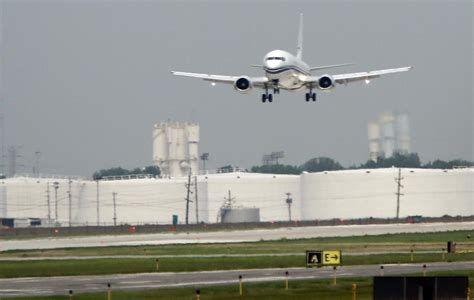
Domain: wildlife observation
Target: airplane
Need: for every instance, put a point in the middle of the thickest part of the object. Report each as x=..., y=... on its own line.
x=288, y=72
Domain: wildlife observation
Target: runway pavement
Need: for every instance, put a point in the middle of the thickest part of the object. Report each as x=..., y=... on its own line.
x=82, y=284
x=229, y=236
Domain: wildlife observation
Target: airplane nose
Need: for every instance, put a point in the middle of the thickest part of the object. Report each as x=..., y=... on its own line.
x=272, y=64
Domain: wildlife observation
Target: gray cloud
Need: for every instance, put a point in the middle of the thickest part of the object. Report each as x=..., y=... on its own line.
x=85, y=81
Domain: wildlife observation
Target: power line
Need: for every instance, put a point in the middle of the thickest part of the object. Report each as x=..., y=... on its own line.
x=188, y=192
x=48, y=203
x=196, y=199
x=70, y=202
x=98, y=204
x=398, y=180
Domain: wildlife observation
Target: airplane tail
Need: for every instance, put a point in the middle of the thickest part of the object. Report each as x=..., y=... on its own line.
x=299, y=47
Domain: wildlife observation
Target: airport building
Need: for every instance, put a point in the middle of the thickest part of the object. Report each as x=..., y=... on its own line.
x=347, y=194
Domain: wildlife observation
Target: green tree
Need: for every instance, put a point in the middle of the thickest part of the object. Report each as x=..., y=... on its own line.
x=319, y=164
x=276, y=169
x=119, y=171
x=441, y=164
x=397, y=160
x=225, y=169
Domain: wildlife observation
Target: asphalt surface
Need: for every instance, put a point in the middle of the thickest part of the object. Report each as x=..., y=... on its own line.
x=229, y=236
x=82, y=284
x=31, y=258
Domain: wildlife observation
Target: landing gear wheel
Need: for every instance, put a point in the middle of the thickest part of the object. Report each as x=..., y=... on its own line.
x=313, y=96
x=307, y=97
x=270, y=98
x=264, y=98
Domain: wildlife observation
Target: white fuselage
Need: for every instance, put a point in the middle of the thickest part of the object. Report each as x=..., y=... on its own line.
x=286, y=69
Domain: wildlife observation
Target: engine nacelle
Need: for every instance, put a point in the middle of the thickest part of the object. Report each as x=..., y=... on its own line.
x=243, y=84
x=325, y=82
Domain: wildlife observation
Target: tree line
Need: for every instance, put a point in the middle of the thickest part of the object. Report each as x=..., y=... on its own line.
x=119, y=171
x=317, y=164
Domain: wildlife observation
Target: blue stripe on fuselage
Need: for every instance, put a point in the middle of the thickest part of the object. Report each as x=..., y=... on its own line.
x=287, y=68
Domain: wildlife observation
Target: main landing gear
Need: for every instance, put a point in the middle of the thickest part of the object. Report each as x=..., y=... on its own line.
x=310, y=95
x=268, y=96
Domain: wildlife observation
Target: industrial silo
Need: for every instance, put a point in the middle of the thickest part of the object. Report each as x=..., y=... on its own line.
x=402, y=130
x=192, y=132
x=373, y=129
x=388, y=134
x=160, y=147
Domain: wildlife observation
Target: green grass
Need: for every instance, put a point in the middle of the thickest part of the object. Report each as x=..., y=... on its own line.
x=299, y=289
x=12, y=269
x=393, y=242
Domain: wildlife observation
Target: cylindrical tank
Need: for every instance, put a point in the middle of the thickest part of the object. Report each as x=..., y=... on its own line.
x=402, y=132
x=177, y=149
x=192, y=132
x=160, y=148
x=373, y=129
x=388, y=133
x=240, y=215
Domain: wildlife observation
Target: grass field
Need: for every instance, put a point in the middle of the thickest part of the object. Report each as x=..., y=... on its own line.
x=393, y=242
x=12, y=269
x=145, y=262
x=298, y=289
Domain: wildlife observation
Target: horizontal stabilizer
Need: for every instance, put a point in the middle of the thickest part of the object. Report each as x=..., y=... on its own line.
x=330, y=66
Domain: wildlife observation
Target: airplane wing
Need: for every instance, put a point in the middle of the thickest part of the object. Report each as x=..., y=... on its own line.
x=256, y=81
x=350, y=77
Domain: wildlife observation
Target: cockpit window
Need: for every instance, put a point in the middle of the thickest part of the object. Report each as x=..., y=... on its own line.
x=276, y=58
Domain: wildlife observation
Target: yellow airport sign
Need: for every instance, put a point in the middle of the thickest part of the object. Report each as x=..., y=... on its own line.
x=319, y=258
x=331, y=257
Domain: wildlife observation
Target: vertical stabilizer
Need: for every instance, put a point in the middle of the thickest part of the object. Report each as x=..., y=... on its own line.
x=299, y=47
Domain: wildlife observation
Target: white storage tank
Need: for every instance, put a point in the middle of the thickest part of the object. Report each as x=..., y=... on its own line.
x=373, y=129
x=160, y=147
x=240, y=215
x=402, y=134
x=192, y=131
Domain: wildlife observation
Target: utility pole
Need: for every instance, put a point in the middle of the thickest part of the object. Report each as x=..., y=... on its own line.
x=48, y=203
x=196, y=198
x=398, y=180
x=188, y=192
x=115, y=208
x=56, y=187
x=228, y=202
x=70, y=201
x=289, y=201
x=98, y=212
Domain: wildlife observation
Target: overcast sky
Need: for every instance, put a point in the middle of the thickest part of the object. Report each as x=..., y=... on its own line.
x=84, y=81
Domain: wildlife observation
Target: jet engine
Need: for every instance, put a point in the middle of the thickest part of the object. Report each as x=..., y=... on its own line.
x=243, y=84
x=325, y=82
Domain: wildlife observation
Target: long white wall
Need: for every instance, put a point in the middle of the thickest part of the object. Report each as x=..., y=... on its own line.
x=339, y=194
x=372, y=193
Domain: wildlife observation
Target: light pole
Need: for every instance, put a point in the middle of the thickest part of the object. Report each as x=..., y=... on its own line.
x=56, y=187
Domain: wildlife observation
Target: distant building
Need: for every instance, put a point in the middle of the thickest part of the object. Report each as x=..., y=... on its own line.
x=175, y=148
x=389, y=134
